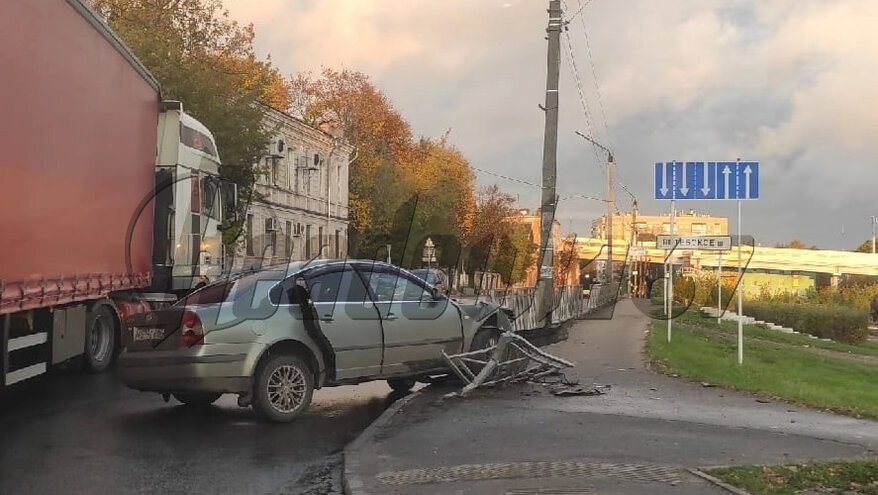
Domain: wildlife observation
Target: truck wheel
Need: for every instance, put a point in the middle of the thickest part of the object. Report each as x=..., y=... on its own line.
x=284, y=385
x=197, y=400
x=401, y=384
x=100, y=339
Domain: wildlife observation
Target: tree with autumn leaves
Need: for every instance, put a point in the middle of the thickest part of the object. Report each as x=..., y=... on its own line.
x=402, y=189
x=206, y=60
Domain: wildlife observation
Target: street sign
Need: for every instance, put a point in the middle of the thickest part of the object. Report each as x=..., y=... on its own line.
x=636, y=252
x=699, y=242
x=707, y=180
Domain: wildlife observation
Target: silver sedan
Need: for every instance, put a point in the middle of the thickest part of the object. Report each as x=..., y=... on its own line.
x=273, y=336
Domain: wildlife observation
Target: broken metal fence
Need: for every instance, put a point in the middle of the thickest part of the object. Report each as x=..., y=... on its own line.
x=511, y=359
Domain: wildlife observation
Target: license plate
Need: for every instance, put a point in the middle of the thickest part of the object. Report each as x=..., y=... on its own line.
x=141, y=334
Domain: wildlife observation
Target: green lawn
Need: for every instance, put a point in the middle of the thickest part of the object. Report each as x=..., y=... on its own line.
x=695, y=317
x=769, y=369
x=859, y=477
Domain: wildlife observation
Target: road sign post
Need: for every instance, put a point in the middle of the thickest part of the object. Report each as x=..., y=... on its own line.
x=720, y=180
x=719, y=287
x=740, y=290
x=669, y=293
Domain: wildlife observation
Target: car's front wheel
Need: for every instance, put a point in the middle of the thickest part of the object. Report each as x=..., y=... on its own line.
x=197, y=400
x=284, y=386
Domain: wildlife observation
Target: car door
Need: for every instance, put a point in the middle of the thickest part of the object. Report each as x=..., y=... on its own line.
x=417, y=328
x=349, y=320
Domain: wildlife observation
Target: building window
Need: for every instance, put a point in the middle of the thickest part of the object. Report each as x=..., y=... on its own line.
x=291, y=163
x=716, y=229
x=271, y=236
x=699, y=229
x=308, y=242
x=288, y=244
x=666, y=228
x=275, y=170
x=250, y=235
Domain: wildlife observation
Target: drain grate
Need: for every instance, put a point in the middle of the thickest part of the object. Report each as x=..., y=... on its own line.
x=474, y=472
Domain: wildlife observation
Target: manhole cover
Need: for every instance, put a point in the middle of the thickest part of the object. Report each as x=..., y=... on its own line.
x=473, y=472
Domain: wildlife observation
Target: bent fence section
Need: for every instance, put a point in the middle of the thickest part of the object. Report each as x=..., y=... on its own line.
x=571, y=301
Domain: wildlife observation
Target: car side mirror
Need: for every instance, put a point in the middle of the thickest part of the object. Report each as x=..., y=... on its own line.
x=437, y=293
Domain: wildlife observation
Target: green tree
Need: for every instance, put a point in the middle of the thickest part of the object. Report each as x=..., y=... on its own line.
x=516, y=254
x=793, y=244
x=865, y=247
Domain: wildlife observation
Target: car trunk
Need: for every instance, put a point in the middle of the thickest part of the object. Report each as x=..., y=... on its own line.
x=155, y=330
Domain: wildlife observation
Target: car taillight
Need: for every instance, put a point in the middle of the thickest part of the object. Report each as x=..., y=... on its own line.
x=191, y=330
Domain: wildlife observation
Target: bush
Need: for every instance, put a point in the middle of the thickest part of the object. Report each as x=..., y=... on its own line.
x=839, y=323
x=853, y=296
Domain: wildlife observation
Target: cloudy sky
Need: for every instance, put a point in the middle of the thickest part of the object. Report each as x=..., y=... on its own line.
x=793, y=85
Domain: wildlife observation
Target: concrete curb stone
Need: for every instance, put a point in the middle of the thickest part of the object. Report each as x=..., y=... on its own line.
x=352, y=484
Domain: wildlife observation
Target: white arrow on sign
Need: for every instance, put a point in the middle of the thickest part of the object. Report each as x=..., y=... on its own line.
x=706, y=188
x=664, y=188
x=726, y=172
x=747, y=172
x=684, y=189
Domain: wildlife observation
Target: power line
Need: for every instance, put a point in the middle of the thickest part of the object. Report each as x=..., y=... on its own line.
x=581, y=8
x=506, y=177
x=571, y=57
x=594, y=73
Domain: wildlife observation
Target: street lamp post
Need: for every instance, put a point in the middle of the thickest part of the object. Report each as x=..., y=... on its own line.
x=874, y=221
x=611, y=202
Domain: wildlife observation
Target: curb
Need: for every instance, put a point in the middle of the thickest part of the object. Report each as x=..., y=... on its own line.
x=351, y=482
x=717, y=482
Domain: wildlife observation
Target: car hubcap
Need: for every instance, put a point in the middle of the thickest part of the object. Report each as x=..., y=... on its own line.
x=286, y=388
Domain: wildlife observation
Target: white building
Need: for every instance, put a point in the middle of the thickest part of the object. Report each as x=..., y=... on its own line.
x=302, y=209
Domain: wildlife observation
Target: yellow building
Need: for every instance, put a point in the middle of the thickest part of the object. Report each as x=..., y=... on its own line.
x=647, y=227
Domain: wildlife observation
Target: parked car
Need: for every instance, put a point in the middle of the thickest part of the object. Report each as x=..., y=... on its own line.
x=432, y=276
x=274, y=336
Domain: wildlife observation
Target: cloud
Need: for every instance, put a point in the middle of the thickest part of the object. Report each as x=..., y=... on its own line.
x=788, y=83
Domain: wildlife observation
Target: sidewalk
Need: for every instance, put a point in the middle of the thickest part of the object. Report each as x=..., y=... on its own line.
x=640, y=437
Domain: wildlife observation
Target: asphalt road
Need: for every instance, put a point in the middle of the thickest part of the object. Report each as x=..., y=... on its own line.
x=85, y=434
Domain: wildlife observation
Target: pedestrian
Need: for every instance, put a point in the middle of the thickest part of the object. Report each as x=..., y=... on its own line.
x=649, y=281
x=875, y=309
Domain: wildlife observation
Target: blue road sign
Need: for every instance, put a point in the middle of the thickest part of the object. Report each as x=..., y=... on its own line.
x=707, y=180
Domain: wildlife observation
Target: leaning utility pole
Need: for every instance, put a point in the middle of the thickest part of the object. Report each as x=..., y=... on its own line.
x=545, y=293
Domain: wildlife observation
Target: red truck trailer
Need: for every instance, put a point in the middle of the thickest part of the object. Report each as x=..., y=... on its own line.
x=108, y=192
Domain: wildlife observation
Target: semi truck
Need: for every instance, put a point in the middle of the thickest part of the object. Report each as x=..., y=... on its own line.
x=112, y=202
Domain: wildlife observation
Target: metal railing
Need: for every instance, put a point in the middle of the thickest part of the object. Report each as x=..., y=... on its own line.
x=571, y=301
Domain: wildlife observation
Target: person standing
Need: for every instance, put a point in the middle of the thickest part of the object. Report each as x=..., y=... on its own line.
x=649, y=281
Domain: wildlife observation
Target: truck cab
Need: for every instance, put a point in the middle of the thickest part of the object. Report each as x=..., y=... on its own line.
x=187, y=240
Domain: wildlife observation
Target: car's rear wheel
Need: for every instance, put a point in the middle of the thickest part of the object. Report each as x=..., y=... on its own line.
x=401, y=384
x=197, y=400
x=284, y=386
